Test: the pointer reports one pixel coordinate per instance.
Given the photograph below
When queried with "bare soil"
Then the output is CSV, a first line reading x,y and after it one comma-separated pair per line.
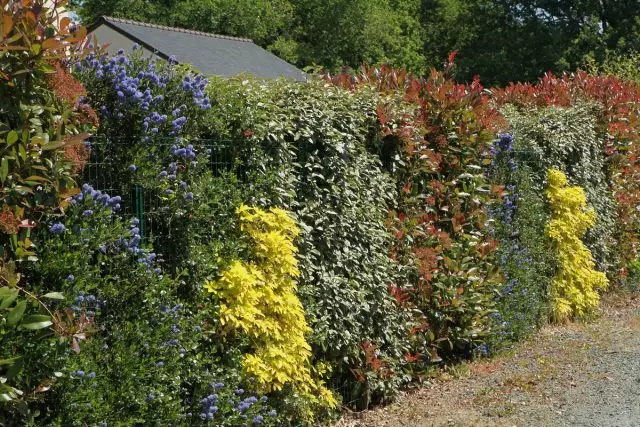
x,y
577,374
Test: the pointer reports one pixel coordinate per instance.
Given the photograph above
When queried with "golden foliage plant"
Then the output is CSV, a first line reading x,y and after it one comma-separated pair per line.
x,y
574,287
258,299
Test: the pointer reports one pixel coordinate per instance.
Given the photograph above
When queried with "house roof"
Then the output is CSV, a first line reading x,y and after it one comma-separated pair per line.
x,y
210,53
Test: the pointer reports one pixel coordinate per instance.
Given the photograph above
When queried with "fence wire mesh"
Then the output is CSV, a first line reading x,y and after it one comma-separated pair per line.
x,y
108,171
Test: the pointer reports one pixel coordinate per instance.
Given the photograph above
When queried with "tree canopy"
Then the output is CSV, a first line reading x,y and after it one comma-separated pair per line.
x,y
500,40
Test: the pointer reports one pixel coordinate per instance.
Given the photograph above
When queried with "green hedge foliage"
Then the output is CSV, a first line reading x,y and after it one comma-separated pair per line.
x,y
420,238
341,197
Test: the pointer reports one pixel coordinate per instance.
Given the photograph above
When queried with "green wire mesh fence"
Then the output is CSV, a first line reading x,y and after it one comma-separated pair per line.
x,y
108,171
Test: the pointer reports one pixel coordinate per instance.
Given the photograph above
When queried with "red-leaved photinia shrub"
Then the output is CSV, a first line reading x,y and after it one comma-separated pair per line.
x,y
620,129
434,137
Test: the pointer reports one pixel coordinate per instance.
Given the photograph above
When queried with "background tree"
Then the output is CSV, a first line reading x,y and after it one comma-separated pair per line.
x,y
500,40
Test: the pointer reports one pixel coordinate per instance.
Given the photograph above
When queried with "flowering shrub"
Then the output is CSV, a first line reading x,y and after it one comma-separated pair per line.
x,y
127,347
574,290
257,299
524,254
458,266
143,98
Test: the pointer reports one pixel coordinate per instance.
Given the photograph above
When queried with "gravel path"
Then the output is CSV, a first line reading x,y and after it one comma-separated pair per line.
x,y
569,375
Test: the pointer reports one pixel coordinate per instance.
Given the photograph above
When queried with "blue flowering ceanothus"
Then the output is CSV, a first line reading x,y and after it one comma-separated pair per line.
x,y
149,86
57,228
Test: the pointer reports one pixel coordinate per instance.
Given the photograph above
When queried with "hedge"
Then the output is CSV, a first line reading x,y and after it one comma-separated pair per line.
x,y
380,223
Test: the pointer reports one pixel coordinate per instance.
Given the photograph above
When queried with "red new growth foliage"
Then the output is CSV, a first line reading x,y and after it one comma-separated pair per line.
x,y
9,222
399,294
438,131
372,359
64,85
86,115
77,154
372,363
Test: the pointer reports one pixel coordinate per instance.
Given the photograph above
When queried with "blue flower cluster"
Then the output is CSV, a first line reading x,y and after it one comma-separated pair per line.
x,y
173,313
136,88
210,405
186,152
57,228
88,304
93,197
519,297
81,375
171,172
132,244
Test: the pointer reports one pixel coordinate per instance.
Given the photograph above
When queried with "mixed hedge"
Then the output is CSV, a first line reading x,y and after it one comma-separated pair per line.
x,y
304,245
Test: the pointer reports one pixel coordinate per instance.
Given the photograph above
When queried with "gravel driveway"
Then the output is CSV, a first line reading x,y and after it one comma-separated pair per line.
x,y
569,375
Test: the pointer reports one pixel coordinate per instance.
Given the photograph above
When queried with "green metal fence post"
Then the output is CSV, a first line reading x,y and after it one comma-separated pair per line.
x,y
139,209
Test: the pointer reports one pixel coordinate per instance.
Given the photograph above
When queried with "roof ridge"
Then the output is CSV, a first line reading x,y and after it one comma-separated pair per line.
x,y
176,29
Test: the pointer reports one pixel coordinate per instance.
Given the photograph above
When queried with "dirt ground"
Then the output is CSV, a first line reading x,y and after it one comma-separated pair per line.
x,y
569,375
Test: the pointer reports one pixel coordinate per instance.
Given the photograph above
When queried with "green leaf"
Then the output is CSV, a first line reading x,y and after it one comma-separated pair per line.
x,y
6,291
36,321
12,137
8,300
54,295
37,178
8,361
16,313
4,169
52,145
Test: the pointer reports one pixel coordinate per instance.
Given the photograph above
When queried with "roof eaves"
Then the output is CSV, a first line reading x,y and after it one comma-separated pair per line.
x,y
104,20
114,20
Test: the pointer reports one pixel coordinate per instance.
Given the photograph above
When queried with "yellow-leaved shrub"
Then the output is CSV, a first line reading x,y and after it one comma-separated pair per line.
x,y
258,299
574,287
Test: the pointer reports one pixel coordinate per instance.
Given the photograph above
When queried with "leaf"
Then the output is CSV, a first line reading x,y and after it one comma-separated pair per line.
x,y
52,145
50,43
15,368
36,321
4,169
7,25
64,23
13,48
8,361
5,291
8,300
37,178
16,314
79,35
77,139
54,295
12,137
